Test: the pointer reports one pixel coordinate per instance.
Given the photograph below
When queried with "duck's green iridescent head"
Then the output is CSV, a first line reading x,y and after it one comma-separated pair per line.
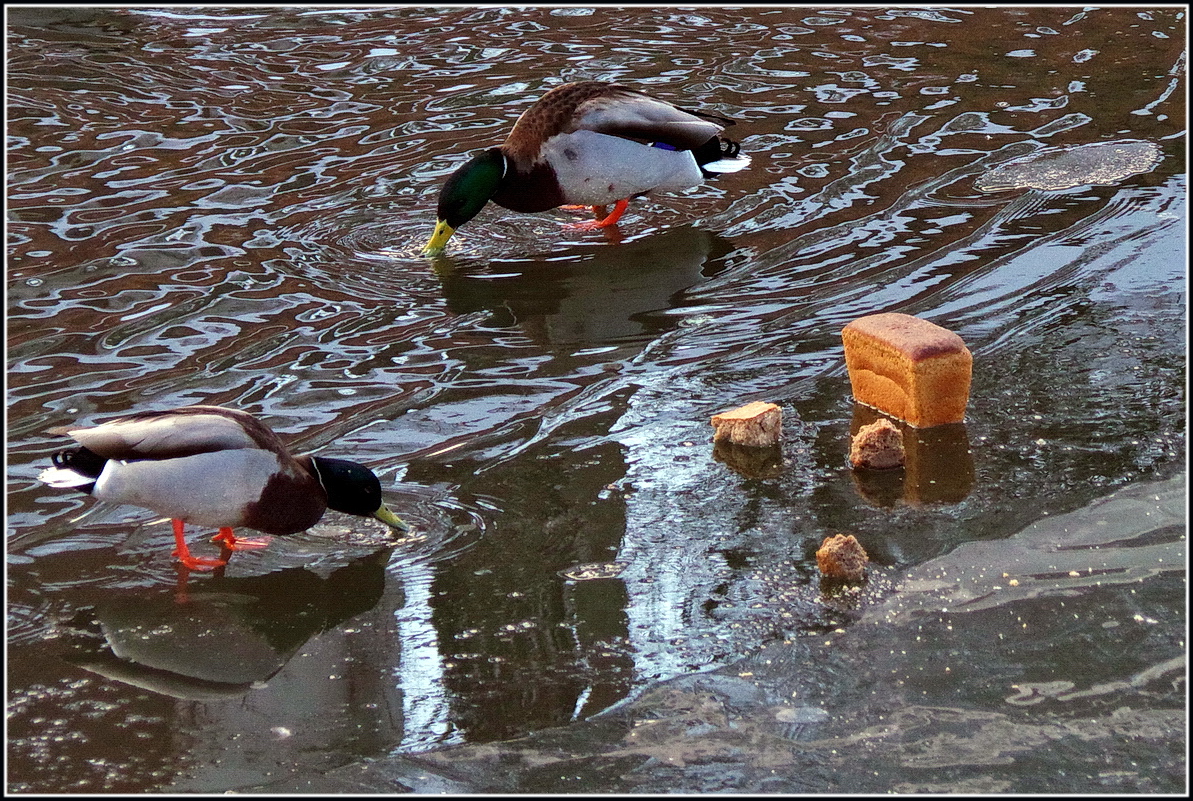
x,y
464,195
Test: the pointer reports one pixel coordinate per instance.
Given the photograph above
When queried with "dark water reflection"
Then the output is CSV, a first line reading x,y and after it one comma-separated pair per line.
x,y
226,206
164,643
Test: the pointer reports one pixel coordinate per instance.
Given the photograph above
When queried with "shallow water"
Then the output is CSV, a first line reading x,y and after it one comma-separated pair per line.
x,y
226,206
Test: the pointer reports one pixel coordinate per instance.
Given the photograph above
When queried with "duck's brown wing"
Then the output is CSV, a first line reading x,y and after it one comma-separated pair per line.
x,y
631,115
611,109
172,434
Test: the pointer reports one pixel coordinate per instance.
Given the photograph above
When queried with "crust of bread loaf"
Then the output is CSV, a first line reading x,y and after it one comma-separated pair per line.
x,y
908,368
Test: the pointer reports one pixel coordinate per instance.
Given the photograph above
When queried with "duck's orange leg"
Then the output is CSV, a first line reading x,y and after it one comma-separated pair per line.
x,y
184,553
599,211
618,209
228,540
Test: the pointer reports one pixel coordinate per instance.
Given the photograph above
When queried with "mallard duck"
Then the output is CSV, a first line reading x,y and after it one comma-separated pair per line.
x,y
215,467
589,143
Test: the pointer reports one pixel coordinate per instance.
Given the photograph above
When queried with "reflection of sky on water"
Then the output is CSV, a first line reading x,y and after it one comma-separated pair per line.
x,y
668,574
1128,538
419,672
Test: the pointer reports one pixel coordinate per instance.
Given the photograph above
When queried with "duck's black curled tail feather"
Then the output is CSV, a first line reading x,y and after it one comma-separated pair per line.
x,y
709,151
720,155
717,149
82,463
81,460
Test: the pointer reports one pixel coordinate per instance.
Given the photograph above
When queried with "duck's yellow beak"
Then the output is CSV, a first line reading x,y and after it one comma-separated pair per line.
x,y
389,518
438,241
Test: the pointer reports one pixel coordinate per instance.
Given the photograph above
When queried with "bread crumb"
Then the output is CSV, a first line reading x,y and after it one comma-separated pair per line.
x,y
756,424
842,557
878,446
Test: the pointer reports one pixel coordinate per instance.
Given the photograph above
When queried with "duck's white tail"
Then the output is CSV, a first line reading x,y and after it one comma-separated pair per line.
x,y
727,165
63,478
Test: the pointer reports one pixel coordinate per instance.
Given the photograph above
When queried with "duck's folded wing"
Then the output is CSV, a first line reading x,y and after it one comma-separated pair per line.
x,y
170,435
635,116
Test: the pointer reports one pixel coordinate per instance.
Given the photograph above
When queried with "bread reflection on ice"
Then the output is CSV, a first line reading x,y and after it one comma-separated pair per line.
x,y
938,465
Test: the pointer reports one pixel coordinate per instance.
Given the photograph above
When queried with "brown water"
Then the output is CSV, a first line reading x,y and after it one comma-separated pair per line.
x,y
226,206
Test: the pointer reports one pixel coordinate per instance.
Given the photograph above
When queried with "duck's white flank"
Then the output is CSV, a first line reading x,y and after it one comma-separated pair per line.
x,y
230,481
596,169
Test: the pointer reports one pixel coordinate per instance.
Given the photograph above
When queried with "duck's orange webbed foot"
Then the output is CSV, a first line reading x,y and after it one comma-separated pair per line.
x,y
228,540
589,225
184,553
199,562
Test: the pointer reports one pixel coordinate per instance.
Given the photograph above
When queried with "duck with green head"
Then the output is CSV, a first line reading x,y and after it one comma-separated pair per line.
x,y
589,143
216,467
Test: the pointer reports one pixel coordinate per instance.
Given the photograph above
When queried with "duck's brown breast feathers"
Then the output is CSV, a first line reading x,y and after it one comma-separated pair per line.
x,y
291,501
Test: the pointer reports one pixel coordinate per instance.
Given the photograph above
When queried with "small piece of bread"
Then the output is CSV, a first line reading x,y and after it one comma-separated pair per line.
x,y
878,446
757,424
908,368
842,557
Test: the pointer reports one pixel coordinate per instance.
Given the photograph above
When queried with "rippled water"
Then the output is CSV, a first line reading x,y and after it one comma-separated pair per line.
x,y
226,206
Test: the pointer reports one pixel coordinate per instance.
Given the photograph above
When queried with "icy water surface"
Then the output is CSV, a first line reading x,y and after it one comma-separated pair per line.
x,y
226,206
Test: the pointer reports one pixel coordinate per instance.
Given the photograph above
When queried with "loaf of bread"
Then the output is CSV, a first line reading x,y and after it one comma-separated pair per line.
x,y
757,424
908,368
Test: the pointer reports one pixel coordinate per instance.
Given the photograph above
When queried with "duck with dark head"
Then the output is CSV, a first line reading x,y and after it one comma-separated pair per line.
x,y
589,143
216,467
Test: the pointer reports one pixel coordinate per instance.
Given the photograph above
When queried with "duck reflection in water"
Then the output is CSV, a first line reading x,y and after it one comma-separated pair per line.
x,y
591,296
227,640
